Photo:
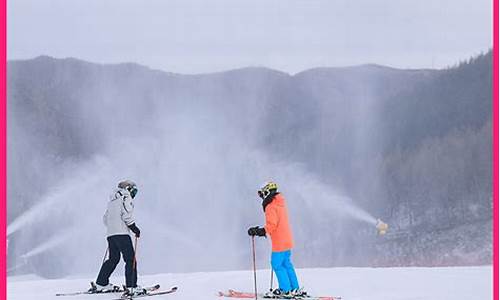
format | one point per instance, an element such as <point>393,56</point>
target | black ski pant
<point>119,244</point>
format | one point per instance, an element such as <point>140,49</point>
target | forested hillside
<point>412,147</point>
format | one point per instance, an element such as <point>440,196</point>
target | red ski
<point>245,295</point>
<point>236,294</point>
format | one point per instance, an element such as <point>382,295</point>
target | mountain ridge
<point>250,68</point>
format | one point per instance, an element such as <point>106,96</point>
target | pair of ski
<point>150,291</point>
<point>245,295</point>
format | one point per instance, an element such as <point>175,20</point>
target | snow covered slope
<point>456,283</point>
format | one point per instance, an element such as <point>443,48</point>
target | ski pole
<point>254,268</point>
<point>135,253</point>
<point>271,287</point>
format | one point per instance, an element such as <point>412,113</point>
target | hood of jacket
<point>119,194</point>
<point>274,197</point>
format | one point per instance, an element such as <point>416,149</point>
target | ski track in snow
<point>450,283</point>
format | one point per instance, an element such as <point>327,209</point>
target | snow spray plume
<point>58,197</point>
<point>304,185</point>
<point>16,267</point>
<point>48,245</point>
<point>35,213</point>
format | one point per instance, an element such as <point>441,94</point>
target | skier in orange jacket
<point>278,228</point>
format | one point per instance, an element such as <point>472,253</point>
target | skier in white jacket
<point>119,221</point>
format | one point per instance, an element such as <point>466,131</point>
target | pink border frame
<point>495,150</point>
<point>3,148</point>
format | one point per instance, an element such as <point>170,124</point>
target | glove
<point>135,229</point>
<point>256,231</point>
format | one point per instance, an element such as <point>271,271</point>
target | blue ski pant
<point>284,270</point>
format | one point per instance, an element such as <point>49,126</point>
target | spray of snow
<point>331,202</point>
<point>51,243</point>
<point>83,178</point>
<point>33,214</point>
<point>321,198</point>
<point>20,265</point>
<point>166,233</point>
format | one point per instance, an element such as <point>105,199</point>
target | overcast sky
<point>198,36</point>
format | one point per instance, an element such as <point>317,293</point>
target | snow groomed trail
<point>453,283</point>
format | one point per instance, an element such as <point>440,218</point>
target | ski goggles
<point>133,191</point>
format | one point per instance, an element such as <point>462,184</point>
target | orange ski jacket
<point>277,225</point>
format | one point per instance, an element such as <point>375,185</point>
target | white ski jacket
<point>120,213</point>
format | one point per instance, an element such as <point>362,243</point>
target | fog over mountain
<point>346,146</point>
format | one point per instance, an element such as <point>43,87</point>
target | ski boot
<point>299,293</point>
<point>132,292</point>
<point>109,288</point>
<point>278,294</point>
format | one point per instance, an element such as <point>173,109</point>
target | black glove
<point>135,230</point>
<point>256,231</point>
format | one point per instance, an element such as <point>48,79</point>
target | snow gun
<point>381,227</point>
